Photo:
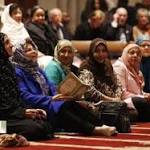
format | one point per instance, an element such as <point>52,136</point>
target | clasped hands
<point>36,113</point>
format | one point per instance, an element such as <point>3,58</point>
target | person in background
<point>55,23</point>
<point>127,68</point>
<point>131,10</point>
<point>140,29</point>
<point>39,31</point>
<point>119,29</point>
<point>12,23</point>
<point>31,123</point>
<point>38,92</point>
<point>144,43</point>
<point>92,28</point>
<point>92,5</point>
<point>66,18</point>
<point>61,65</point>
<point>97,72</point>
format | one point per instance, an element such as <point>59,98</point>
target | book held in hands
<point>72,86</point>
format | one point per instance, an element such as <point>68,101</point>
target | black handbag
<point>115,114</point>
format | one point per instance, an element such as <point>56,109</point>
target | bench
<point>83,46</point>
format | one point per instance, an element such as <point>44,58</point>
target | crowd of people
<point>30,102</point>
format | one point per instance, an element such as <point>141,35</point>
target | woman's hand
<point>35,114</point>
<point>41,114</point>
<point>62,97</point>
<point>147,96</point>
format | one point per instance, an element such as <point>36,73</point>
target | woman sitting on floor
<point>38,92</point>
<point>61,65</point>
<point>97,72</point>
<point>127,68</point>
<point>30,123</point>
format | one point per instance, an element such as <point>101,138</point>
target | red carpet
<point>138,139</point>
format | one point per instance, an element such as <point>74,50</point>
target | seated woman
<point>39,31</point>
<point>12,23</point>
<point>20,120</point>
<point>144,43</point>
<point>127,68</point>
<point>37,92</point>
<point>59,67</point>
<point>97,72</point>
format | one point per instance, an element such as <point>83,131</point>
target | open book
<point>72,86</point>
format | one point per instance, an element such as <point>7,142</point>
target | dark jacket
<point>85,32</point>
<point>43,37</point>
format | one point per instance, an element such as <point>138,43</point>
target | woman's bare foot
<point>104,130</point>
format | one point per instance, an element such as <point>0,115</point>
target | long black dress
<point>11,107</point>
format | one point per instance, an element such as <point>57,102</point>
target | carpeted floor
<point>138,139</point>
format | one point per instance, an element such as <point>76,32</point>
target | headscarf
<point>124,57</point>
<point>8,84</point>
<point>13,29</point>
<point>102,71</point>
<point>61,45</point>
<point>140,39</point>
<point>135,68</point>
<point>20,60</point>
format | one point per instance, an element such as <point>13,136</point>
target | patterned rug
<point>138,139</point>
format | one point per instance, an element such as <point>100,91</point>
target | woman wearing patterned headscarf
<point>97,71</point>
<point>19,119</point>
<point>127,68</point>
<point>61,65</point>
<point>38,92</point>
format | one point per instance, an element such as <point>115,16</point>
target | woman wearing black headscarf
<point>27,122</point>
<point>97,71</point>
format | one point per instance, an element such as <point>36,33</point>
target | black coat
<point>113,34</point>
<point>85,32</point>
<point>43,37</point>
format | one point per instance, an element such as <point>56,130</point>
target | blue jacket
<point>31,93</point>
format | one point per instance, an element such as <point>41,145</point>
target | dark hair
<point>90,5</point>
<point>34,9</point>
<point>14,7</point>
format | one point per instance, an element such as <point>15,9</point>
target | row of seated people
<point>46,35</point>
<point>32,110</point>
<point>37,90</point>
<point>53,108</point>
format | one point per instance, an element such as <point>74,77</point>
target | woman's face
<point>8,46</point>
<point>134,56</point>
<point>145,47</point>
<point>17,15</point>
<point>31,53</point>
<point>65,56</point>
<point>100,53</point>
<point>143,19</point>
<point>39,16</point>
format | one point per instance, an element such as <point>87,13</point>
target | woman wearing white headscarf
<point>12,23</point>
<point>61,65</point>
<point>127,68</point>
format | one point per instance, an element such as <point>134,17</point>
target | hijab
<point>13,29</point>
<point>8,84</point>
<point>134,69</point>
<point>20,60</point>
<point>60,46</point>
<point>102,71</point>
